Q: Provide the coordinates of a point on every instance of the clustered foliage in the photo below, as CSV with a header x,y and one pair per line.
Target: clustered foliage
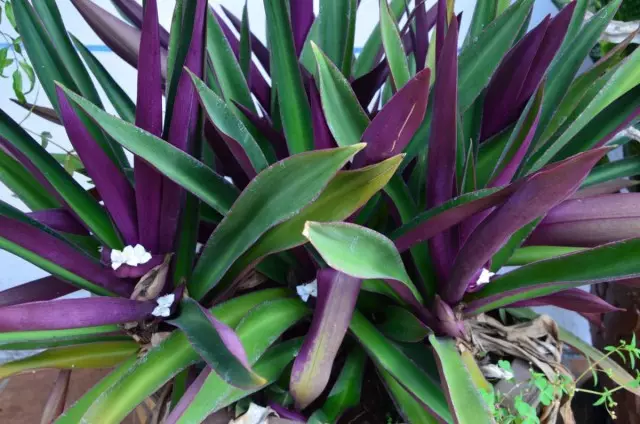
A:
x,y
300,217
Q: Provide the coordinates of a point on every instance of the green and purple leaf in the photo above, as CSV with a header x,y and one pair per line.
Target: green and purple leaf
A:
x,y
532,200
337,296
322,137
302,18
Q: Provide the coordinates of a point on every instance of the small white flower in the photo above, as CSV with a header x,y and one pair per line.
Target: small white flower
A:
x,y
130,255
493,371
485,277
164,305
306,290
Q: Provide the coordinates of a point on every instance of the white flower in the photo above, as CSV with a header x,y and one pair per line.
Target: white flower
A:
x,y
306,290
164,305
493,371
228,179
130,255
485,277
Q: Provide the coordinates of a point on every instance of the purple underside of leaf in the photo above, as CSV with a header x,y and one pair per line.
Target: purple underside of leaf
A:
x,y
441,27
42,289
337,295
188,396
574,299
533,199
286,413
608,187
301,20
441,169
367,85
322,137
553,38
60,220
228,165
394,126
61,253
72,313
149,118
265,127
257,48
182,128
257,83
424,23
114,188
33,170
501,103
590,221
121,37
134,12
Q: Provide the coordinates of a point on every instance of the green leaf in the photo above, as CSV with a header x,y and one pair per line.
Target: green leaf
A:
x,y
570,58
390,358
367,58
515,241
334,28
131,386
359,252
78,199
347,191
120,100
229,74
294,106
274,196
226,121
257,331
346,392
43,338
245,43
17,86
50,16
393,47
401,325
483,14
627,167
8,10
617,372
172,162
92,355
408,407
345,117
24,185
28,70
609,262
464,397
213,344
480,58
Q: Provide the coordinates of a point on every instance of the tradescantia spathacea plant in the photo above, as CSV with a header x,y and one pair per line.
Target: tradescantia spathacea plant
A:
x,y
299,217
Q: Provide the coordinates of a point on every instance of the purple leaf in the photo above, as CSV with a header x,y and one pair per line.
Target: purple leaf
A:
x,y
43,112
188,396
441,27
121,37
73,313
149,118
590,222
424,22
60,220
264,127
367,85
46,288
541,192
608,187
394,126
133,11
257,83
441,169
553,38
501,103
259,49
60,252
294,417
229,164
337,295
574,299
182,128
114,188
301,20
322,137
